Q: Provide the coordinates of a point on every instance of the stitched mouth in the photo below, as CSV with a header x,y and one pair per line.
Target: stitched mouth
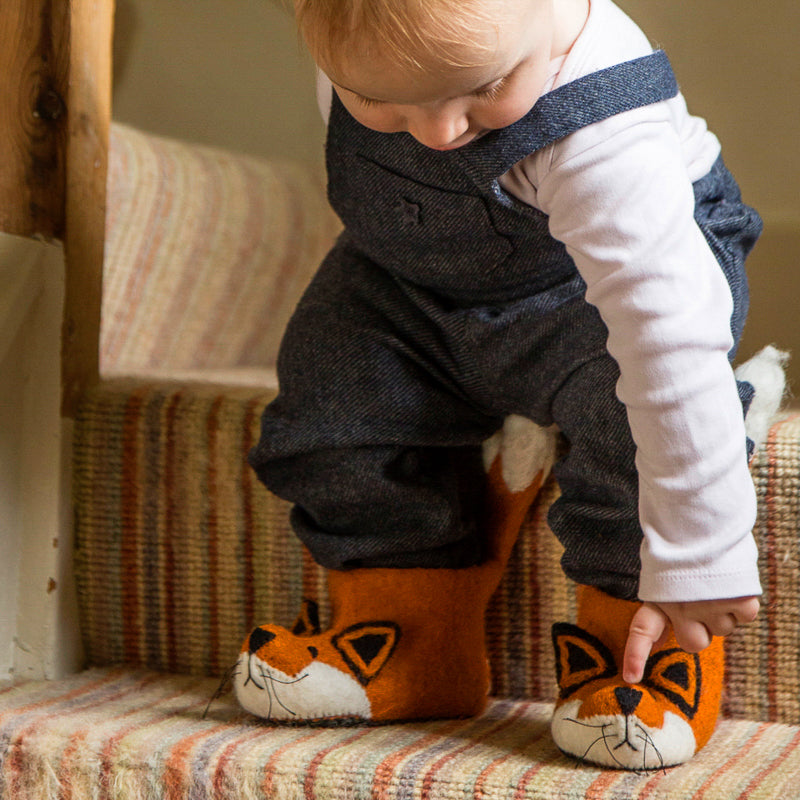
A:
x,y
630,722
270,683
613,741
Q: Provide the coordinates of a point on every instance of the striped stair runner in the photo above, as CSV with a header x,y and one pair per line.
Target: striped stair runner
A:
x,y
206,254
180,550
132,734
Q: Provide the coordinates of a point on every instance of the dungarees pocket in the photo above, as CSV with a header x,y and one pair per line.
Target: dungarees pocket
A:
x,y
433,237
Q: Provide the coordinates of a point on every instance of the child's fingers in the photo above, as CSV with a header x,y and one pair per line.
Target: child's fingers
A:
x,y
722,624
746,609
692,635
695,624
648,627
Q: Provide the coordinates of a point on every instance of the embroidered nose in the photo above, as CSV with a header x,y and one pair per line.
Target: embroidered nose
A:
x,y
258,638
628,699
408,211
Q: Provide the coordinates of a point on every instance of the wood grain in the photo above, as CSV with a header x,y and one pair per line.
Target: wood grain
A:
x,y
34,70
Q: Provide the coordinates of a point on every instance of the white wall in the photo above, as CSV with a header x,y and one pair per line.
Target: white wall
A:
x,y
38,627
229,72
10,447
20,291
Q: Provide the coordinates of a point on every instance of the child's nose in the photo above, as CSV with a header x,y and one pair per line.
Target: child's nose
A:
x,y
438,129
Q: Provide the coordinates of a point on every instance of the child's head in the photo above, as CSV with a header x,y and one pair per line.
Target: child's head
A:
x,y
445,71
409,33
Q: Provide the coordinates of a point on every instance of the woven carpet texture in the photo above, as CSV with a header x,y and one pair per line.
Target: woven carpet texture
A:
x,y
207,253
131,735
180,551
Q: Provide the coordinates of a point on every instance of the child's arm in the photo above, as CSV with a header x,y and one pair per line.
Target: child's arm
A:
x,y
620,197
694,623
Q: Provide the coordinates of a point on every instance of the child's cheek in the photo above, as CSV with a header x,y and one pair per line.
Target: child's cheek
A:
x,y
503,114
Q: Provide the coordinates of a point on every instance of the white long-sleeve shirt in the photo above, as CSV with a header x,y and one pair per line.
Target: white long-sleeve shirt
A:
x,y
618,193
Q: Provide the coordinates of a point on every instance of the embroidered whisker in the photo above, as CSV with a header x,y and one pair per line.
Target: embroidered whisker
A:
x,y
271,680
648,742
228,677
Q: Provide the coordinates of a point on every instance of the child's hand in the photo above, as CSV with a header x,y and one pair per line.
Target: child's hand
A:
x,y
694,624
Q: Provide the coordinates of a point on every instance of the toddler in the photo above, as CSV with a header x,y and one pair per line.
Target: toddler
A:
x,y
534,228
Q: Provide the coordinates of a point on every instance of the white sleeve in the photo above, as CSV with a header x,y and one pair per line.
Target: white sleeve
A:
x,y
324,95
624,207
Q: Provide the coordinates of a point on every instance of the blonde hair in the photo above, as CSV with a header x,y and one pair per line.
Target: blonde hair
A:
x,y
410,33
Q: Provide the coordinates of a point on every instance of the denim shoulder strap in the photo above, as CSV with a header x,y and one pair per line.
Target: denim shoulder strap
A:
x,y
569,108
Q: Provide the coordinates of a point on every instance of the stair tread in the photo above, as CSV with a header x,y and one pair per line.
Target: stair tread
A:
x,y
144,733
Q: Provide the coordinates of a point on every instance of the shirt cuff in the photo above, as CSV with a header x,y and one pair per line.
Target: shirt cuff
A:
x,y
735,574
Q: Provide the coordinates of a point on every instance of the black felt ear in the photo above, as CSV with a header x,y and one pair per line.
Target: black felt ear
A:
x,y
366,647
678,676
580,658
307,623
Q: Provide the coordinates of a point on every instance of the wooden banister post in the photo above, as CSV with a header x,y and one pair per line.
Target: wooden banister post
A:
x,y
89,117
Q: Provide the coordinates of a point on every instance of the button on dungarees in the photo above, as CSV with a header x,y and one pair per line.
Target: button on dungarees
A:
x,y
444,306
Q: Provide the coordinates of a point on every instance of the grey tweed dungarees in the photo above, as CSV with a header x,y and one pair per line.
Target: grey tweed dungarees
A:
x,y
444,306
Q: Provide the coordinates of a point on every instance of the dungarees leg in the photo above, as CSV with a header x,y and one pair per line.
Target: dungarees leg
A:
x,y
596,518
370,436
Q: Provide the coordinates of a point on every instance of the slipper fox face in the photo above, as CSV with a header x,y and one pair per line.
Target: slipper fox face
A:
x,y
306,675
403,644
658,723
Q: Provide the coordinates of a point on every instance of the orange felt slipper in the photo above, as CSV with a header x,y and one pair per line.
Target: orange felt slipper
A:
x,y
402,643
661,722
